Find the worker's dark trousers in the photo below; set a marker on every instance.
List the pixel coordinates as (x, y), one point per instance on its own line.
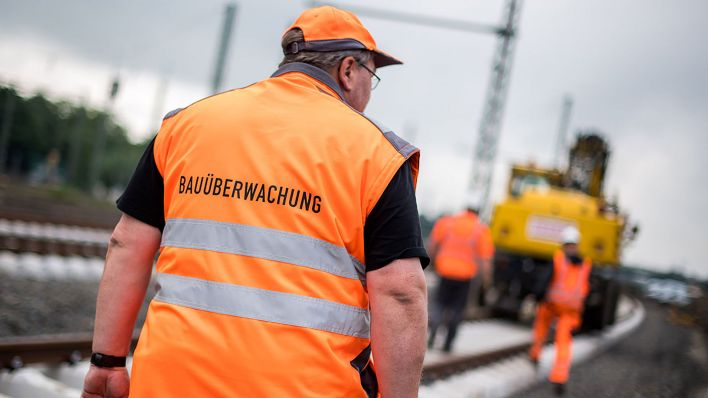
(449, 305)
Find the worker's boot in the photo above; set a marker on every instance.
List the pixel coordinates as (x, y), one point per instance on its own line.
(559, 389)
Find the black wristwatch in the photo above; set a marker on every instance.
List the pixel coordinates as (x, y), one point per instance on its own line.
(107, 361)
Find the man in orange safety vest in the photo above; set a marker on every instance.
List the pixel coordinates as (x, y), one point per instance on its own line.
(563, 303)
(462, 247)
(291, 258)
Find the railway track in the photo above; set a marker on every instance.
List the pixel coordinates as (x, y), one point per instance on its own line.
(57, 362)
(20, 236)
(489, 361)
(69, 349)
(462, 363)
(34, 366)
(54, 365)
(72, 348)
(50, 267)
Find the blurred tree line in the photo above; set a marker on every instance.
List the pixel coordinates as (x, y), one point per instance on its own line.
(53, 142)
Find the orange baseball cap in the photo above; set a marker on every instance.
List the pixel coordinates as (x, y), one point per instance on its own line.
(328, 29)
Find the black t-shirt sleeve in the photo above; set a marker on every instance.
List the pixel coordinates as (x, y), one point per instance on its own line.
(392, 229)
(143, 198)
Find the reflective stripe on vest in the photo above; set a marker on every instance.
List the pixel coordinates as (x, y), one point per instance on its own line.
(560, 292)
(263, 305)
(264, 243)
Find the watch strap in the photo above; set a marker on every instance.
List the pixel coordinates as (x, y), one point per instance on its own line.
(107, 361)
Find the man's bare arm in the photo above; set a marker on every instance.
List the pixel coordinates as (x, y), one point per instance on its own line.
(399, 316)
(125, 279)
(122, 290)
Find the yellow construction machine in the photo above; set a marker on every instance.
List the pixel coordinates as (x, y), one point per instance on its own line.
(527, 226)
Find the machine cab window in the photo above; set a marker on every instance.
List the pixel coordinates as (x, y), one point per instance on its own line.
(523, 183)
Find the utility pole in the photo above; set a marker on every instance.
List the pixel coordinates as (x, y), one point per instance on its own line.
(223, 50)
(157, 105)
(563, 130)
(77, 128)
(490, 124)
(99, 144)
(7, 119)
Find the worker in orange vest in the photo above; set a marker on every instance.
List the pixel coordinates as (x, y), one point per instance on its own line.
(291, 258)
(563, 303)
(462, 247)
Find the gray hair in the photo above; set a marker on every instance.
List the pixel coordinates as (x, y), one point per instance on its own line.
(322, 60)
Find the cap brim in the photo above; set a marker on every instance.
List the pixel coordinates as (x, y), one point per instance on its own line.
(382, 59)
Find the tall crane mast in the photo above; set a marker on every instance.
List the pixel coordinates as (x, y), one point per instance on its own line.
(560, 151)
(490, 124)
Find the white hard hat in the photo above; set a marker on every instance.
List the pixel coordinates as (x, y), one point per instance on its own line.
(473, 200)
(569, 235)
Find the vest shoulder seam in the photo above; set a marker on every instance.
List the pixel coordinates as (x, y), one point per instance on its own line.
(403, 147)
(178, 110)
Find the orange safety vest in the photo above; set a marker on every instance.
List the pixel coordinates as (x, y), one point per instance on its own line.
(570, 283)
(458, 251)
(261, 270)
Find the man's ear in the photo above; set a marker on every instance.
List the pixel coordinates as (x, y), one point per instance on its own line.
(345, 74)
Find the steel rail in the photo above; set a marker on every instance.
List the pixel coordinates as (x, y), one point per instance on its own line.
(70, 348)
(16, 352)
(44, 245)
(461, 363)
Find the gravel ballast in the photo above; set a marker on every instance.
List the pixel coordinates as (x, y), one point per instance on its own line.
(30, 307)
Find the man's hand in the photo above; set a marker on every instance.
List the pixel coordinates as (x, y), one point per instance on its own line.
(106, 383)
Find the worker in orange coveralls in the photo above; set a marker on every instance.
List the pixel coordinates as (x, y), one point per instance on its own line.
(563, 302)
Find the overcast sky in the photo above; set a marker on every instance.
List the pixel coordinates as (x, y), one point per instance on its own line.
(637, 71)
